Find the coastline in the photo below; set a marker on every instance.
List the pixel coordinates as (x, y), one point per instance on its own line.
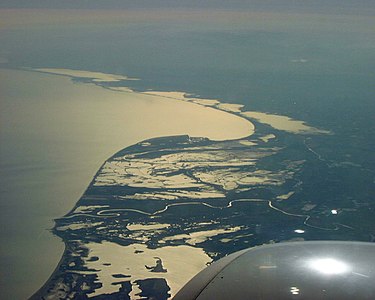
(82, 167)
(208, 104)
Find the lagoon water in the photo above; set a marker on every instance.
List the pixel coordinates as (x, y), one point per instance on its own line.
(54, 136)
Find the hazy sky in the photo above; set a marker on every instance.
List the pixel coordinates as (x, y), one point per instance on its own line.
(339, 6)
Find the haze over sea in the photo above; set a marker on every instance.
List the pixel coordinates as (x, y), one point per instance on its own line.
(313, 62)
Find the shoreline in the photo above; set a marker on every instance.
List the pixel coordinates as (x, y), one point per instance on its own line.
(34, 95)
(209, 104)
(38, 294)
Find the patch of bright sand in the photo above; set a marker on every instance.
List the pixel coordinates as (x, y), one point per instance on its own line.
(198, 237)
(132, 227)
(285, 196)
(267, 137)
(231, 107)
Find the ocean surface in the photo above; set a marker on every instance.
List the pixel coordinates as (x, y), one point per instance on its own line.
(55, 134)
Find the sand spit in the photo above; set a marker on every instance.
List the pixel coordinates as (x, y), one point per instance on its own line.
(94, 76)
(187, 116)
(279, 122)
